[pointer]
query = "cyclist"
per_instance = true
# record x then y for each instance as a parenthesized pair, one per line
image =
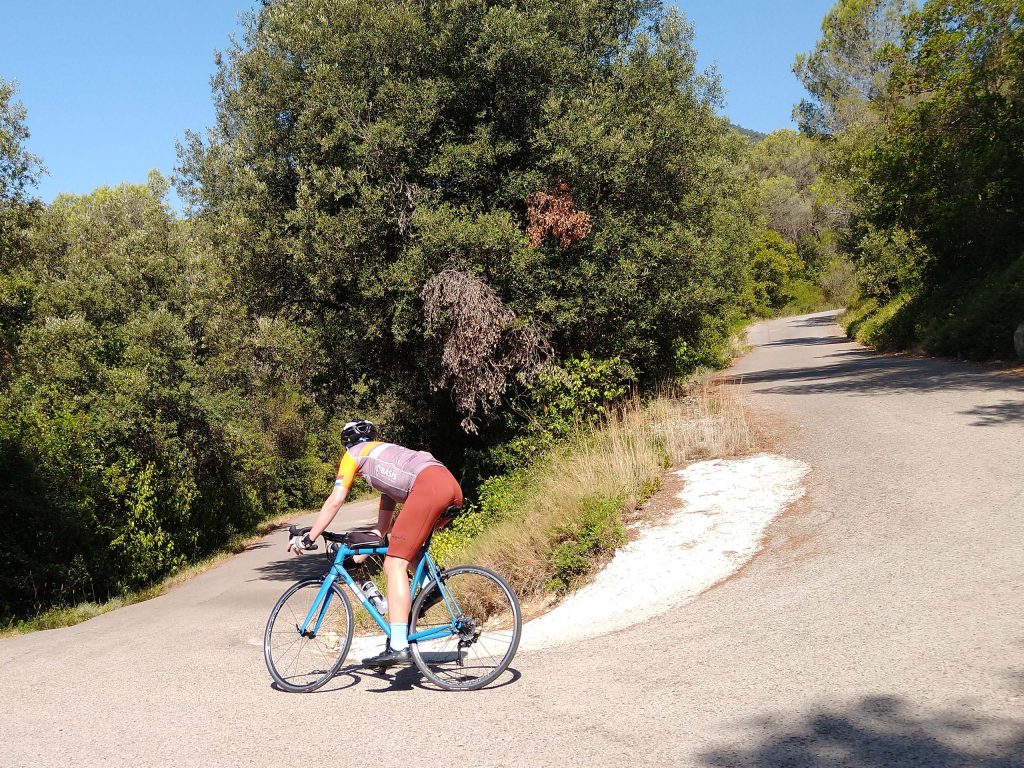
(423, 486)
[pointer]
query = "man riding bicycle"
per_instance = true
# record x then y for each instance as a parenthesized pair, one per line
(423, 486)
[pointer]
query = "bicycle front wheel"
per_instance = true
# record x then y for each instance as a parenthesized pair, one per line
(482, 616)
(301, 662)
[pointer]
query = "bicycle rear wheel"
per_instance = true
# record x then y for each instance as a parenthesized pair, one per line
(485, 620)
(303, 662)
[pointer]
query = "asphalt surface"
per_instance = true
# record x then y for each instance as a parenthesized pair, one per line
(881, 626)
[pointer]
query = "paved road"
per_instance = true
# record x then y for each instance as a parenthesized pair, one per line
(882, 626)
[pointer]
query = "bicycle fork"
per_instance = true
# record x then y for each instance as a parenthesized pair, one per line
(321, 602)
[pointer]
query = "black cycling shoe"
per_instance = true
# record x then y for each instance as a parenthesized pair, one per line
(389, 657)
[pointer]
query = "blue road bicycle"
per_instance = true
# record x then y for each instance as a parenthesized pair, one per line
(464, 625)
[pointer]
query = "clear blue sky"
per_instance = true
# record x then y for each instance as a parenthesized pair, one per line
(109, 85)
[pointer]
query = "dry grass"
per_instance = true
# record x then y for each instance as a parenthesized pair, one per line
(571, 505)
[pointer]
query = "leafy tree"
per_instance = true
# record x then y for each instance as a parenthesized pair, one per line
(890, 262)
(951, 166)
(787, 153)
(774, 265)
(802, 203)
(19, 173)
(849, 67)
(146, 417)
(19, 169)
(362, 149)
(935, 171)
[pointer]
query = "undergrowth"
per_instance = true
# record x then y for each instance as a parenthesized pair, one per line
(971, 317)
(545, 527)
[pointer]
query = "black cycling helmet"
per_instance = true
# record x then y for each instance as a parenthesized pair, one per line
(358, 431)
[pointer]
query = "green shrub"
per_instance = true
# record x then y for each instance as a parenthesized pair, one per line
(804, 297)
(974, 320)
(853, 318)
(597, 528)
(889, 262)
(883, 326)
(709, 352)
(838, 281)
(774, 265)
(890, 327)
(146, 548)
(498, 498)
(578, 392)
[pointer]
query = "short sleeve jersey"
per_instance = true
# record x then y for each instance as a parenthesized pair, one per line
(389, 469)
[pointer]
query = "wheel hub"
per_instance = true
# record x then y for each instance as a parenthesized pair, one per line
(469, 632)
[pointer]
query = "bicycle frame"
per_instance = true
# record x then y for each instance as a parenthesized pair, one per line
(426, 566)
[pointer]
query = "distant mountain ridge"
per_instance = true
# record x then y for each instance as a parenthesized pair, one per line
(749, 133)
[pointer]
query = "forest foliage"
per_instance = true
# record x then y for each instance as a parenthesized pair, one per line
(920, 111)
(146, 419)
(480, 225)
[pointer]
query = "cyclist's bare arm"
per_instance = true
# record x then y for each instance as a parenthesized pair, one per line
(328, 510)
(384, 514)
(342, 483)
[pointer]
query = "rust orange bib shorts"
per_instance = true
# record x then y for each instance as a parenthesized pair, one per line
(433, 491)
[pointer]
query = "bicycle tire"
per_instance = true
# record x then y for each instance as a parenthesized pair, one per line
(483, 650)
(328, 652)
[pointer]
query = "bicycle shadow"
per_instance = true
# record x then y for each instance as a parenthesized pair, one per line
(408, 678)
(405, 679)
(331, 686)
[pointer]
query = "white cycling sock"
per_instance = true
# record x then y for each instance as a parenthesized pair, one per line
(399, 636)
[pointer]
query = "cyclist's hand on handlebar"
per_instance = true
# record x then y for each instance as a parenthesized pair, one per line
(299, 543)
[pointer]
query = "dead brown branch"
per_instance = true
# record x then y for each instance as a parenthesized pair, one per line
(484, 345)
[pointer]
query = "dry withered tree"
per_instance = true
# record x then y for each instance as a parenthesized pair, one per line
(484, 345)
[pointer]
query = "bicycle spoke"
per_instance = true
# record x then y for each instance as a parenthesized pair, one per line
(303, 662)
(290, 645)
(486, 632)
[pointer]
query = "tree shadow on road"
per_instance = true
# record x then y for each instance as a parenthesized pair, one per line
(997, 413)
(880, 732)
(295, 568)
(816, 320)
(815, 341)
(861, 371)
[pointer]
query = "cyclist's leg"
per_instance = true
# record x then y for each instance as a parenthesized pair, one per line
(399, 603)
(399, 597)
(488, 625)
(434, 491)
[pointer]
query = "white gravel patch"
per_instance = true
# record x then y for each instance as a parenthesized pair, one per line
(364, 646)
(727, 505)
